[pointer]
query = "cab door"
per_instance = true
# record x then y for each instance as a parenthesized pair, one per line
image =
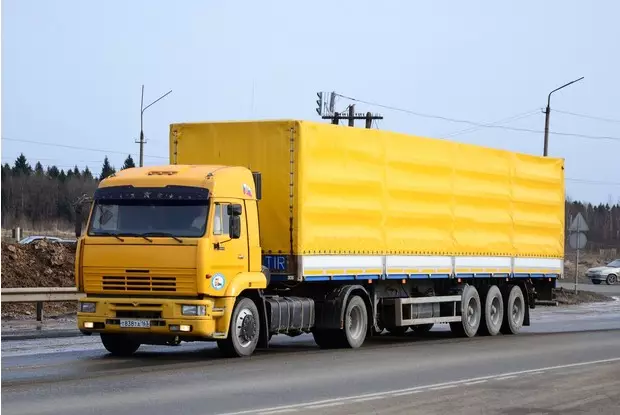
(229, 256)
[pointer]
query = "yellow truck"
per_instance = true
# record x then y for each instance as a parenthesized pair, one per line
(256, 229)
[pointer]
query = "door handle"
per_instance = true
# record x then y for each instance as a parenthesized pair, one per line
(240, 256)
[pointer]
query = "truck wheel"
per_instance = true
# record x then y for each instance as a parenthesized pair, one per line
(493, 316)
(514, 309)
(243, 332)
(421, 329)
(611, 279)
(471, 313)
(119, 344)
(355, 322)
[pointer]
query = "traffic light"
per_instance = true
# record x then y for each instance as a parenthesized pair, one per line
(319, 103)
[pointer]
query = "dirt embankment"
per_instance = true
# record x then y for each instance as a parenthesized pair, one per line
(568, 297)
(41, 264)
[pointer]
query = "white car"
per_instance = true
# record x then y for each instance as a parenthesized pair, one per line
(609, 273)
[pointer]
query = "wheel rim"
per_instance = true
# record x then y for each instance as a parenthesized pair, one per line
(495, 314)
(472, 315)
(246, 327)
(612, 279)
(355, 322)
(517, 310)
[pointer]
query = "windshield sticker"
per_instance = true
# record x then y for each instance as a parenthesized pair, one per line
(218, 282)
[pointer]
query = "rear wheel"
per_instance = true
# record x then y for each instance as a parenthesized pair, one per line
(514, 309)
(611, 279)
(596, 282)
(119, 344)
(493, 315)
(244, 330)
(355, 323)
(471, 313)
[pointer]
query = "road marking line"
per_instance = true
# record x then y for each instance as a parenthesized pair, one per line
(279, 411)
(537, 373)
(406, 393)
(438, 388)
(506, 377)
(477, 382)
(370, 398)
(325, 405)
(348, 399)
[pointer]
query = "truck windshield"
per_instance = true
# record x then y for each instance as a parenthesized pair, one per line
(171, 218)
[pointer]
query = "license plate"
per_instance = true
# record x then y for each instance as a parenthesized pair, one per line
(142, 324)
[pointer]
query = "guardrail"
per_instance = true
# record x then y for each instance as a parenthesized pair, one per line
(39, 296)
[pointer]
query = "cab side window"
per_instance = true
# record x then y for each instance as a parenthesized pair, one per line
(221, 219)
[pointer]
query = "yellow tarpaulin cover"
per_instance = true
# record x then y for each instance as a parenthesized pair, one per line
(360, 191)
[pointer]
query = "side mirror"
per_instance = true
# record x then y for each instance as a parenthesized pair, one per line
(78, 222)
(234, 221)
(234, 227)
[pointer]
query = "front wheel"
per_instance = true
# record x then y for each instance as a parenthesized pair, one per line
(243, 332)
(596, 282)
(119, 344)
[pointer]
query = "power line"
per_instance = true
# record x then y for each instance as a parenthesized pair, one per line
(477, 124)
(502, 121)
(586, 181)
(587, 116)
(77, 147)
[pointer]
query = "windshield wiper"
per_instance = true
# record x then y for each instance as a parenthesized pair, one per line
(110, 234)
(168, 234)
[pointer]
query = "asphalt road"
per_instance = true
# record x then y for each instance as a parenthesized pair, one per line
(569, 360)
(611, 290)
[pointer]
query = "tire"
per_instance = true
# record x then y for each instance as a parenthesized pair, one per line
(471, 313)
(514, 309)
(611, 279)
(493, 315)
(243, 331)
(119, 344)
(596, 282)
(355, 323)
(422, 329)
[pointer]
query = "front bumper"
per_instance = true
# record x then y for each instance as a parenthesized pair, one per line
(153, 317)
(598, 277)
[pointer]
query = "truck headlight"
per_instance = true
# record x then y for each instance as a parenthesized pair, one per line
(88, 307)
(193, 310)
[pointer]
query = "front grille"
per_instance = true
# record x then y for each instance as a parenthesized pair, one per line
(138, 283)
(138, 314)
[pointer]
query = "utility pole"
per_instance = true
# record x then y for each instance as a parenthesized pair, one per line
(548, 113)
(352, 115)
(142, 109)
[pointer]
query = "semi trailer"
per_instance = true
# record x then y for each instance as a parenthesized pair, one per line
(264, 228)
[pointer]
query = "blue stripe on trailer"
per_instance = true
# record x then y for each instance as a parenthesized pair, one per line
(343, 277)
(316, 278)
(551, 275)
(537, 275)
(521, 275)
(367, 277)
(396, 276)
(440, 276)
(502, 275)
(419, 276)
(482, 275)
(465, 275)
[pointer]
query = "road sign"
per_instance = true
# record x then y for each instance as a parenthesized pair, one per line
(577, 240)
(579, 224)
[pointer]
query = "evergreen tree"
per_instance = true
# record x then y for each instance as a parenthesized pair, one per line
(76, 172)
(62, 176)
(21, 166)
(53, 172)
(107, 169)
(38, 169)
(87, 174)
(128, 163)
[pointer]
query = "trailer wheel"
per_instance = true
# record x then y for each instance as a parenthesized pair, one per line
(243, 332)
(514, 309)
(471, 313)
(493, 316)
(119, 344)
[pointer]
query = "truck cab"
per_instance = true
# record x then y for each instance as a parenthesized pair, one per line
(168, 254)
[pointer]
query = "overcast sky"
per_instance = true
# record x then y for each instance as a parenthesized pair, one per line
(72, 70)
